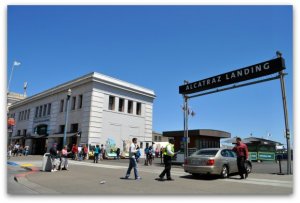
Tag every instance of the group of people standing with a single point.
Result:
(99, 153)
(79, 152)
(59, 158)
(17, 150)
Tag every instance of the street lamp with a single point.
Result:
(66, 118)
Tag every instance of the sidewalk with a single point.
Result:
(85, 177)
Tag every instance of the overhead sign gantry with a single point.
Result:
(265, 68)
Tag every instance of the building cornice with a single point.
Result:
(91, 77)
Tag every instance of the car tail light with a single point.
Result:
(185, 161)
(210, 162)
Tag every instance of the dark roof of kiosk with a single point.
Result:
(199, 132)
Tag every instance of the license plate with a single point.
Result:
(195, 162)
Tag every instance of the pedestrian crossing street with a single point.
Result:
(180, 172)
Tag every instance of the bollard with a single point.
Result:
(279, 161)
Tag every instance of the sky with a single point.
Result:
(158, 47)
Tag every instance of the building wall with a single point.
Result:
(97, 123)
(115, 126)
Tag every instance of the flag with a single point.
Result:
(17, 63)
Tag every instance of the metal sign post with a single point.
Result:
(185, 125)
(287, 130)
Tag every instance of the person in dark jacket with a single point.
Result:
(118, 153)
(54, 156)
(242, 155)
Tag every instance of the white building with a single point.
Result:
(102, 110)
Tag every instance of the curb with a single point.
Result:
(22, 179)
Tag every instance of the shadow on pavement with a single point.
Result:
(200, 177)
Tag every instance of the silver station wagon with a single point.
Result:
(213, 161)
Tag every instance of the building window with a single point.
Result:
(111, 103)
(45, 110)
(159, 138)
(80, 101)
(25, 115)
(155, 138)
(61, 128)
(22, 114)
(36, 112)
(19, 117)
(61, 109)
(130, 106)
(141, 145)
(74, 127)
(121, 105)
(24, 132)
(19, 132)
(138, 108)
(40, 111)
(28, 113)
(73, 103)
(49, 109)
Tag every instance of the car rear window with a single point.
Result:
(206, 152)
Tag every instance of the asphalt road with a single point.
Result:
(105, 178)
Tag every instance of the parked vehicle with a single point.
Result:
(213, 161)
(179, 157)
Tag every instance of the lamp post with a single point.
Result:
(66, 118)
(186, 113)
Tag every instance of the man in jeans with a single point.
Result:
(242, 155)
(132, 160)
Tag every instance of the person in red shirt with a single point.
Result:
(242, 155)
(74, 151)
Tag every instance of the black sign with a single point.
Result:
(250, 72)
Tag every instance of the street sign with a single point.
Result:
(268, 156)
(183, 139)
(253, 156)
(247, 73)
(11, 121)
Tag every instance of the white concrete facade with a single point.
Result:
(97, 123)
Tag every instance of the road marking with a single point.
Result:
(97, 165)
(26, 165)
(141, 169)
(255, 181)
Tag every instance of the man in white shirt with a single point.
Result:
(132, 160)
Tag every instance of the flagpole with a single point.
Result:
(12, 70)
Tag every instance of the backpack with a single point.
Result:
(138, 154)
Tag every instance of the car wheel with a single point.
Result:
(224, 172)
(248, 167)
